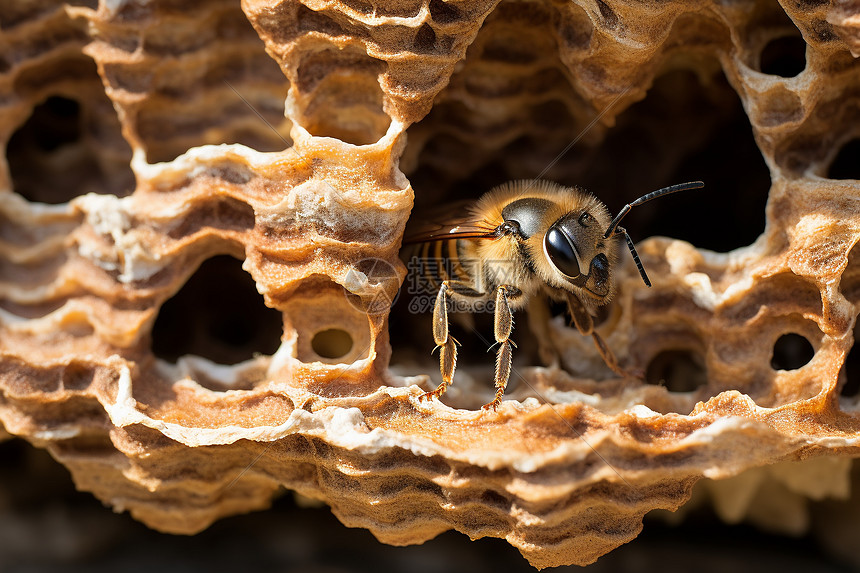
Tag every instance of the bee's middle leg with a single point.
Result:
(504, 324)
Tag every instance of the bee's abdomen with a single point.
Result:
(440, 261)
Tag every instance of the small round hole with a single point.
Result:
(332, 343)
(847, 162)
(677, 370)
(790, 352)
(784, 57)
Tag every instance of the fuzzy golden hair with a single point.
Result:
(565, 200)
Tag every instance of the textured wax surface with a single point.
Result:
(195, 277)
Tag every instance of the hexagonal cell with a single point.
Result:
(223, 89)
(340, 96)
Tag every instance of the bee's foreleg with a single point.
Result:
(608, 356)
(444, 342)
(611, 361)
(504, 324)
(581, 319)
(585, 324)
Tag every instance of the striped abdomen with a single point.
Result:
(452, 260)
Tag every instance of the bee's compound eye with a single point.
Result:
(561, 252)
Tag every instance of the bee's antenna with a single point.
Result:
(614, 229)
(623, 231)
(645, 198)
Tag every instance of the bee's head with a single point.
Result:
(561, 234)
(575, 247)
(568, 235)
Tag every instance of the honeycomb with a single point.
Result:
(200, 222)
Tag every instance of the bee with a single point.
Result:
(521, 240)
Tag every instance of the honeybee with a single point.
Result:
(522, 240)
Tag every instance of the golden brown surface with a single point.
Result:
(144, 138)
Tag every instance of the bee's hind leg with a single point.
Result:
(444, 342)
(504, 324)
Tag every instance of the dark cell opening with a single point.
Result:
(682, 131)
(54, 123)
(851, 370)
(218, 315)
(443, 13)
(791, 351)
(425, 39)
(688, 128)
(64, 150)
(784, 57)
(847, 162)
(677, 370)
(332, 343)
